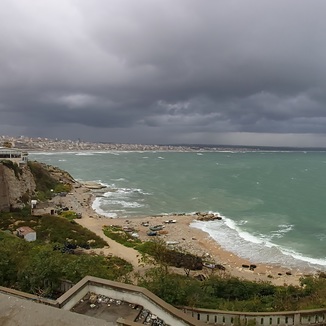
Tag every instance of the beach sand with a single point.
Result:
(190, 239)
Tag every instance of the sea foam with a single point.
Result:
(229, 236)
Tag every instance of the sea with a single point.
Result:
(273, 203)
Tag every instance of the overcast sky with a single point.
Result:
(247, 72)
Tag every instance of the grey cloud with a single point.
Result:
(163, 70)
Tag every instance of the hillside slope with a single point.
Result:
(17, 185)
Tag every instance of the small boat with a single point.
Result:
(171, 243)
(156, 227)
(170, 221)
(128, 229)
(209, 265)
(151, 233)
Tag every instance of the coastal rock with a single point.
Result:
(93, 185)
(203, 216)
(16, 189)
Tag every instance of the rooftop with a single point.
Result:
(15, 311)
(23, 230)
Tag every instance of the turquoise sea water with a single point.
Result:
(273, 203)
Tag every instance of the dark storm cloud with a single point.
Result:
(163, 71)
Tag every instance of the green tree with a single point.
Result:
(12, 257)
(42, 273)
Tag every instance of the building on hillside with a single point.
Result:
(14, 155)
(26, 233)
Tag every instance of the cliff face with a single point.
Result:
(15, 189)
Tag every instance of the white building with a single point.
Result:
(14, 155)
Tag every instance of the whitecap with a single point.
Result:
(84, 154)
(284, 228)
(125, 192)
(125, 204)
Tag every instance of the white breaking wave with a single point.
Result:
(96, 206)
(84, 154)
(124, 192)
(257, 249)
(125, 204)
(284, 228)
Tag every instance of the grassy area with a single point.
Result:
(37, 267)
(117, 234)
(52, 229)
(46, 183)
(69, 215)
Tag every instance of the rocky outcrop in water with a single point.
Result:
(203, 216)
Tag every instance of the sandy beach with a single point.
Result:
(188, 238)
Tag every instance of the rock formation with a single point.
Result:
(16, 188)
(203, 216)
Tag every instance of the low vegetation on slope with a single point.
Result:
(38, 267)
(46, 182)
(215, 289)
(52, 229)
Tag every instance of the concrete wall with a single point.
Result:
(186, 315)
(218, 317)
(171, 315)
(127, 293)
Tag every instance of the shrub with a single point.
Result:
(13, 166)
(117, 234)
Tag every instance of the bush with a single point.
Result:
(43, 179)
(117, 234)
(13, 166)
(69, 215)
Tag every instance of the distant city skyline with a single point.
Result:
(56, 144)
(226, 72)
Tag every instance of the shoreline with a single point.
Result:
(191, 239)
